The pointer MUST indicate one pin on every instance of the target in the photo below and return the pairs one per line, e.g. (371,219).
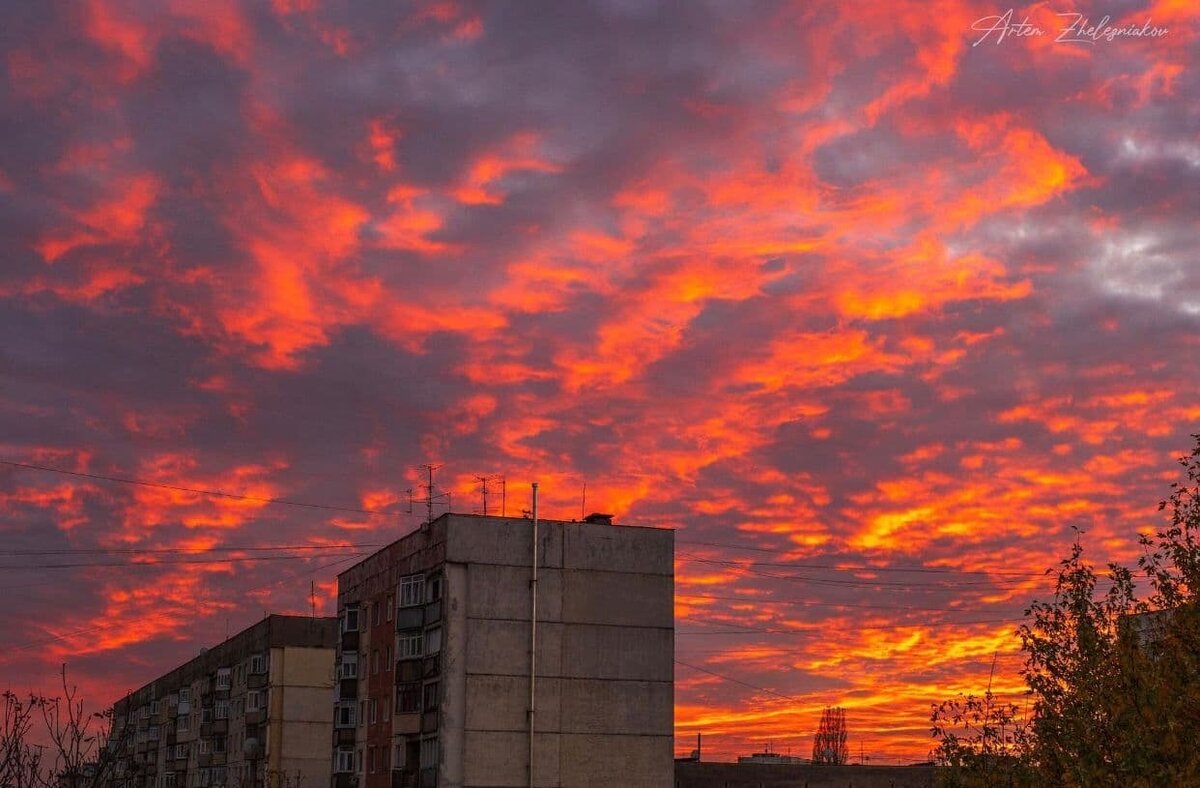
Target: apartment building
(436,685)
(251,712)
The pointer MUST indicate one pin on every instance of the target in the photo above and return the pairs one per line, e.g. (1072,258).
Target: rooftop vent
(599,518)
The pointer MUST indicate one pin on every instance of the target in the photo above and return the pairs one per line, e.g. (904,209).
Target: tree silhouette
(829,743)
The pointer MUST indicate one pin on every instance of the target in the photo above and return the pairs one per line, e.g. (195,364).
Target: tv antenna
(430,495)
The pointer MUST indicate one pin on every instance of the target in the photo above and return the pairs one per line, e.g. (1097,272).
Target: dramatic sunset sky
(823,286)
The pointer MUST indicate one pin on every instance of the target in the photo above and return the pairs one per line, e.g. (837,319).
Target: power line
(811,603)
(96,627)
(857,567)
(738,681)
(738,629)
(174,562)
(186,550)
(859,583)
(198,490)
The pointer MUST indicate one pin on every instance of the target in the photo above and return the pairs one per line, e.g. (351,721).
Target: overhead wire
(856,567)
(198,490)
(186,549)
(738,629)
(737,681)
(161,562)
(97,627)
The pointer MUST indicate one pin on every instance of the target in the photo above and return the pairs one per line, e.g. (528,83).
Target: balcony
(343,736)
(349,641)
(433,612)
(408,670)
(220,727)
(432,666)
(405,779)
(256,717)
(256,680)
(348,689)
(406,723)
(345,780)
(409,618)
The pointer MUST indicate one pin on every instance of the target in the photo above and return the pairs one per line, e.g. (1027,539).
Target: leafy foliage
(983,743)
(1114,677)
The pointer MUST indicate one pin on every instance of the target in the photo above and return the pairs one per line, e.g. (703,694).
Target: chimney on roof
(599,518)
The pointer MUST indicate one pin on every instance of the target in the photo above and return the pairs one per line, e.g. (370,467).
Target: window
(349,665)
(371,759)
(375,661)
(253,700)
(185,695)
(358,760)
(181,752)
(433,640)
(350,619)
(435,588)
(154,707)
(344,715)
(152,733)
(344,762)
(223,682)
(362,712)
(412,590)
(205,747)
(221,712)
(429,753)
(398,762)
(375,613)
(389,604)
(410,644)
(258,663)
(218,776)
(219,744)
(173,700)
(387,657)
(431,696)
(205,716)
(184,723)
(408,698)
(374,710)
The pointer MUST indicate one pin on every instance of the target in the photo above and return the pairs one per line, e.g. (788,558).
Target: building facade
(252,712)
(435,677)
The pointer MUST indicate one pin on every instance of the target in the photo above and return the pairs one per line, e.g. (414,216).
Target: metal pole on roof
(533,630)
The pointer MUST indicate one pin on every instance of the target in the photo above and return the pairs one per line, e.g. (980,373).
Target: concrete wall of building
(459,699)
(605,645)
(300,716)
(759,775)
(141,763)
